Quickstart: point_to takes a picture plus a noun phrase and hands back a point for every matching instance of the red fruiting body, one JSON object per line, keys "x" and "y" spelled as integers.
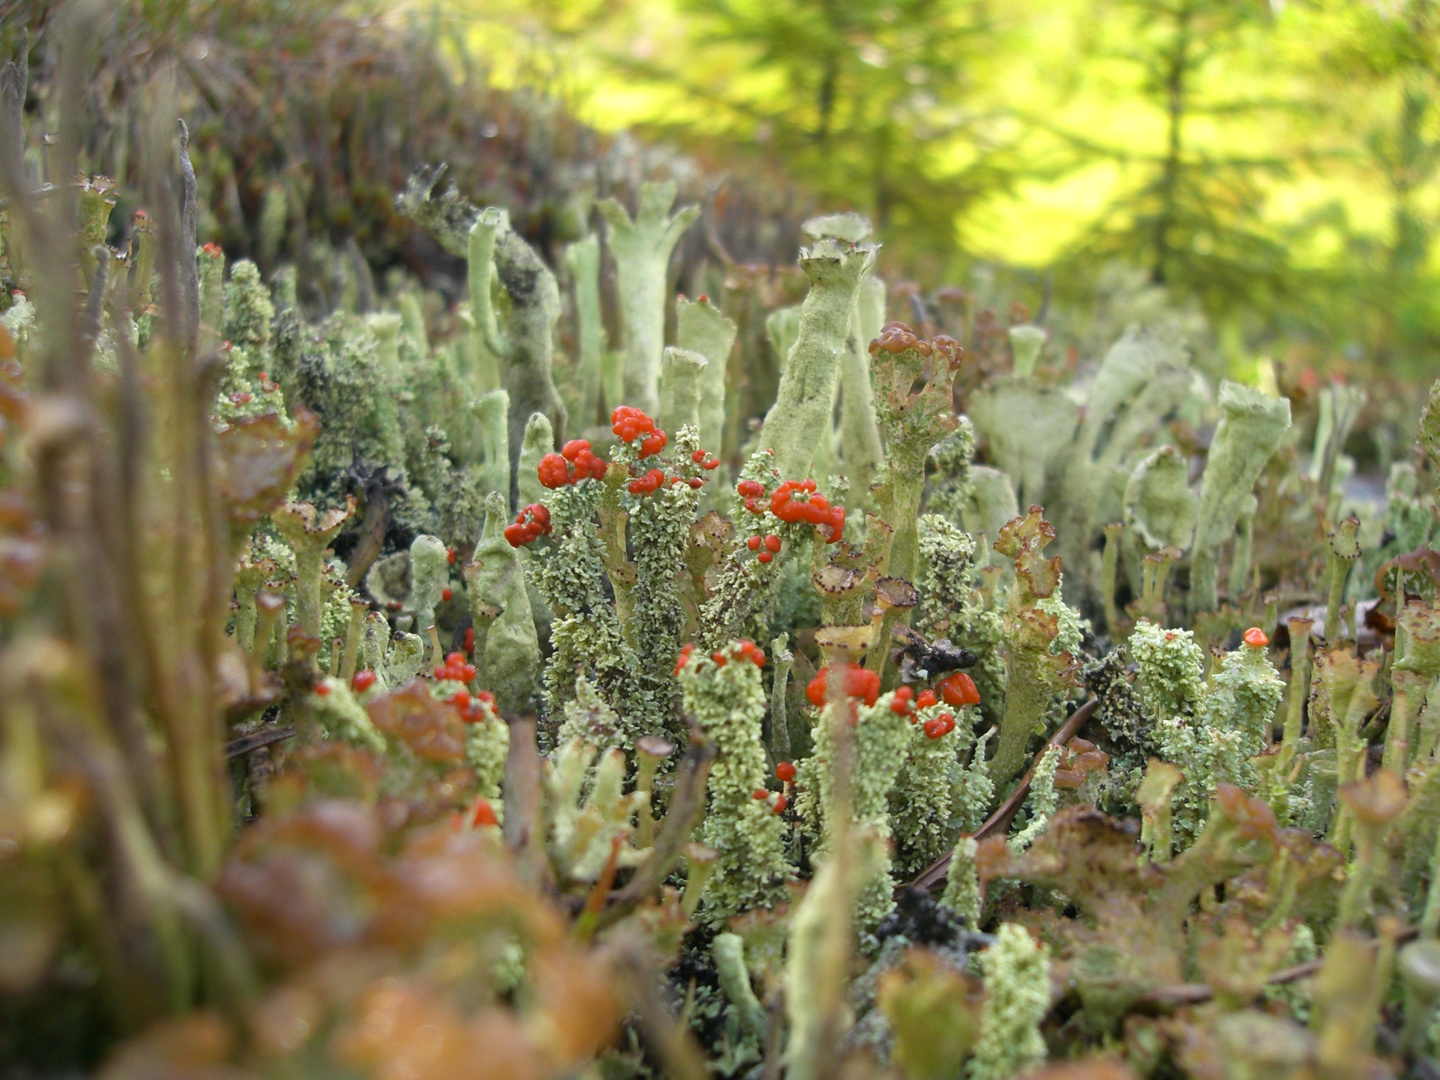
{"x": 764, "y": 557}
{"x": 959, "y": 690}
{"x": 684, "y": 659}
{"x": 574, "y": 463}
{"x": 753, "y": 543}
{"x": 926, "y": 699}
{"x": 630, "y": 423}
{"x": 750, "y": 488}
{"x": 772, "y": 543}
{"x": 589, "y": 466}
{"x": 785, "y": 771}
{"x": 903, "y": 700}
{"x": 780, "y": 803}
{"x": 264, "y": 377}
{"x": 461, "y": 700}
{"x": 484, "y": 814}
{"x": 748, "y": 651}
{"x": 470, "y": 640}
{"x": 815, "y": 510}
{"x": 447, "y": 595}
{"x": 940, "y": 726}
{"x": 647, "y": 484}
{"x": 322, "y": 688}
{"x": 450, "y": 556}
{"x": 695, "y": 482}
{"x": 456, "y": 669}
{"x": 703, "y": 299}
{"x": 698, "y": 456}
{"x": 855, "y": 681}
{"x": 720, "y": 658}
{"x": 710, "y": 463}
{"x": 1256, "y": 638}
{"x": 362, "y": 680}
{"x": 554, "y": 471}
{"x": 653, "y": 443}
{"x": 531, "y": 523}
{"x": 761, "y": 793}
{"x": 487, "y": 697}
{"x": 753, "y": 506}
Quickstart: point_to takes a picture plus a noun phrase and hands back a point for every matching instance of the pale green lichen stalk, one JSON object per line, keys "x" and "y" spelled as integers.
{"x": 962, "y": 886}
{"x": 1034, "y": 656}
{"x": 1251, "y": 427}
{"x": 1017, "y": 997}
{"x": 728, "y": 702}
{"x": 1209, "y": 732}
{"x": 701, "y": 328}
{"x": 642, "y": 246}
{"x": 429, "y": 570}
{"x": 507, "y": 647}
{"x": 588, "y": 810}
{"x": 881, "y": 739}
{"x": 801, "y": 413}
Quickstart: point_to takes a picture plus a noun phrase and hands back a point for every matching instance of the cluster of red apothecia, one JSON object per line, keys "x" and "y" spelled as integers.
{"x": 531, "y": 523}
{"x": 855, "y": 681}
{"x": 957, "y": 690}
{"x": 778, "y": 800}
{"x": 575, "y": 462}
{"x": 810, "y": 508}
{"x": 655, "y": 478}
{"x": 455, "y": 668}
{"x": 743, "y": 650}
{"x": 785, "y": 772}
{"x": 629, "y": 423}
{"x": 771, "y": 543}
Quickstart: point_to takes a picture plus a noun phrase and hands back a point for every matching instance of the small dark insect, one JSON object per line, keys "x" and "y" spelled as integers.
{"x": 915, "y": 654}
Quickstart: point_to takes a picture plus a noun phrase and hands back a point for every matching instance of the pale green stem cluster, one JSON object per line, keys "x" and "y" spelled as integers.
{"x": 492, "y": 415}
{"x": 588, "y": 809}
{"x": 641, "y": 247}
{"x": 728, "y": 702}
{"x": 1017, "y": 997}
{"x": 702, "y": 328}
{"x": 800, "y": 417}
{"x": 309, "y": 532}
{"x": 682, "y": 387}
{"x": 583, "y": 260}
{"x": 1344, "y": 550}
{"x": 1251, "y": 427}
{"x": 880, "y": 740}
{"x": 507, "y": 649}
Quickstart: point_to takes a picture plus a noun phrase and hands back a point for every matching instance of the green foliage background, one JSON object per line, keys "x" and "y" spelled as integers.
{"x": 1273, "y": 162}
